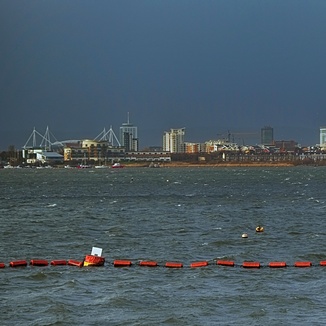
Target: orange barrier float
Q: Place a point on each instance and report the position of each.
(251, 264)
(148, 263)
(39, 262)
(18, 263)
(199, 264)
(91, 260)
(58, 262)
(225, 263)
(302, 264)
(173, 265)
(95, 260)
(277, 264)
(72, 262)
(122, 263)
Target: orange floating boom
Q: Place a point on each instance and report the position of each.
(58, 262)
(72, 262)
(251, 264)
(148, 263)
(302, 264)
(225, 263)
(18, 263)
(122, 263)
(199, 264)
(277, 264)
(173, 265)
(39, 262)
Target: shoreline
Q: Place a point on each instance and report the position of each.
(217, 165)
(204, 165)
(233, 165)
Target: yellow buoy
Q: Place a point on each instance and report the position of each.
(259, 229)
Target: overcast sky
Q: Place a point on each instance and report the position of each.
(207, 65)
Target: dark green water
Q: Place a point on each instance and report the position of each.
(181, 214)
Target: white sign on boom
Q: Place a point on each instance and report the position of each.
(96, 251)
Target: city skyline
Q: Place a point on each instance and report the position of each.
(208, 66)
(171, 140)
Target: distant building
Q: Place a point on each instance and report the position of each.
(267, 136)
(50, 158)
(129, 137)
(286, 145)
(88, 150)
(39, 155)
(193, 147)
(211, 146)
(173, 140)
(323, 136)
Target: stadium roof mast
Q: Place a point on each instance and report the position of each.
(45, 140)
(108, 136)
(32, 136)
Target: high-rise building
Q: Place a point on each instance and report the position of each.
(173, 140)
(128, 136)
(322, 136)
(267, 136)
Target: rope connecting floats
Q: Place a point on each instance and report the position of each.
(99, 261)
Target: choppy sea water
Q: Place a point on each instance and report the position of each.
(165, 214)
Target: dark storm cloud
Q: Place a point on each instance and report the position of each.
(209, 66)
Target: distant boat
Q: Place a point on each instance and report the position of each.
(117, 165)
(83, 166)
(100, 166)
